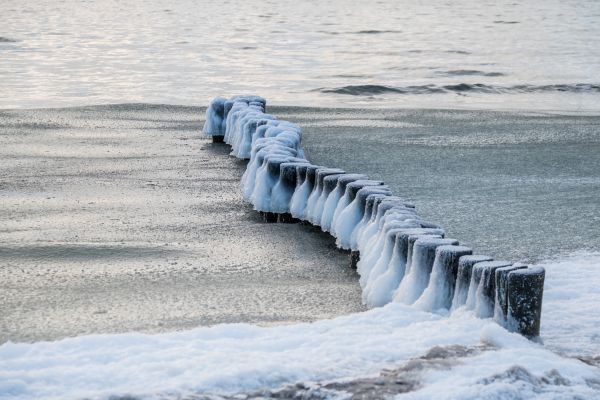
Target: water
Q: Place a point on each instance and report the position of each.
(471, 54)
(514, 186)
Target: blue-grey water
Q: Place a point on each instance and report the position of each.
(506, 54)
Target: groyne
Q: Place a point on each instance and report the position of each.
(399, 256)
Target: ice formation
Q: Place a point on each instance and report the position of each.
(401, 257)
(235, 359)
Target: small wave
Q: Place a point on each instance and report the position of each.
(375, 32)
(369, 90)
(361, 32)
(468, 72)
(458, 51)
(350, 76)
(506, 22)
(7, 40)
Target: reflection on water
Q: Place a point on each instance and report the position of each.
(501, 54)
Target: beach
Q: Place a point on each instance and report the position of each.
(125, 243)
(121, 218)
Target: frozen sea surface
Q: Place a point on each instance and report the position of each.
(121, 218)
(505, 54)
(516, 186)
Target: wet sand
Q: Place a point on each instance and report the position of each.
(122, 218)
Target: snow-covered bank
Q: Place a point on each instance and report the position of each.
(236, 358)
(402, 257)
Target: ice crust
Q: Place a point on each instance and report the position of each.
(232, 358)
(403, 258)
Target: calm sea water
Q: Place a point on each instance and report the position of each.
(506, 54)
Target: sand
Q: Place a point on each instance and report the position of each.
(122, 218)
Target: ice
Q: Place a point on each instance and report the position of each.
(381, 288)
(375, 249)
(266, 178)
(350, 216)
(232, 358)
(417, 279)
(571, 302)
(242, 144)
(257, 162)
(438, 295)
(362, 198)
(328, 186)
(389, 209)
(382, 258)
(485, 294)
(501, 301)
(300, 196)
(214, 126)
(283, 190)
(369, 215)
(463, 280)
(380, 207)
(312, 203)
(334, 198)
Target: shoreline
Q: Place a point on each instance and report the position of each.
(547, 212)
(342, 107)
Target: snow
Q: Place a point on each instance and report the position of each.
(231, 358)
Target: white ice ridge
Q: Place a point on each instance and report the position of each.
(231, 358)
(403, 258)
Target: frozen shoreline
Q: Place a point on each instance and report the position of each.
(191, 361)
(524, 232)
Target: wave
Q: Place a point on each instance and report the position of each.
(468, 72)
(6, 40)
(362, 32)
(369, 90)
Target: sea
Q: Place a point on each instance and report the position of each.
(485, 114)
(506, 54)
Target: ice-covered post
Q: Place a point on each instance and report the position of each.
(486, 288)
(501, 305)
(525, 292)
(347, 214)
(335, 197)
(423, 256)
(215, 120)
(463, 277)
(313, 211)
(367, 197)
(440, 291)
(273, 170)
(283, 191)
(302, 192)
